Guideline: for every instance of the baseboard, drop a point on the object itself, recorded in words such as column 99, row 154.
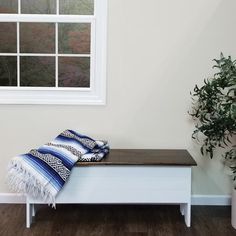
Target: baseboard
column 12, row 198
column 211, row 200
column 205, row 200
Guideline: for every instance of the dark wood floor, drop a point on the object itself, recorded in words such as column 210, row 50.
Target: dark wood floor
column 88, row 220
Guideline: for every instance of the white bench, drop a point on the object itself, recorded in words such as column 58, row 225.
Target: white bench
column 129, row 177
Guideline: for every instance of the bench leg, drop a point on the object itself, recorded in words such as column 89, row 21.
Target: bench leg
column 182, row 209
column 33, row 210
column 28, row 214
column 187, row 214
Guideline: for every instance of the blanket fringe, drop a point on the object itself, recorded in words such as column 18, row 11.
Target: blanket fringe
column 21, row 180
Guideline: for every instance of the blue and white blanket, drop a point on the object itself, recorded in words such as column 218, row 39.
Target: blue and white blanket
column 42, row 172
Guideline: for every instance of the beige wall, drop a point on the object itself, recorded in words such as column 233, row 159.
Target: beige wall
column 157, row 51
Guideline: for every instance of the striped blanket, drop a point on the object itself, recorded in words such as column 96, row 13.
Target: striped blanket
column 42, row 172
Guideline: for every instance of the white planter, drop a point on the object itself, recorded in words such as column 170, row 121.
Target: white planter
column 233, row 208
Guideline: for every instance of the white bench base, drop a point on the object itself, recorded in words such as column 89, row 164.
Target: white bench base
column 125, row 185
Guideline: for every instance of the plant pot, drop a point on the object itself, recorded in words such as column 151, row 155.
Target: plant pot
column 233, row 208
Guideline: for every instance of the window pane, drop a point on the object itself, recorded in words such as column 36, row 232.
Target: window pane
column 74, row 72
column 77, row 7
column 74, row 38
column 37, row 71
column 8, row 71
column 7, row 37
column 38, row 6
column 37, row 37
column 8, row 6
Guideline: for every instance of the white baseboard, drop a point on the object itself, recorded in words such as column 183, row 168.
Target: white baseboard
column 211, row 200
column 204, row 200
column 14, row 198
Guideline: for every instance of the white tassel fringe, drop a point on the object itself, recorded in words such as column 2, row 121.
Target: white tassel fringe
column 21, row 180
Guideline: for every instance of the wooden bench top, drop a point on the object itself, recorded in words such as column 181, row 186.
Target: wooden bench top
column 172, row 157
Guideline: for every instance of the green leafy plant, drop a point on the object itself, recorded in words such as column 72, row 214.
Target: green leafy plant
column 214, row 111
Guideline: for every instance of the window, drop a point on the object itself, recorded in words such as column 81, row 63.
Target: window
column 52, row 51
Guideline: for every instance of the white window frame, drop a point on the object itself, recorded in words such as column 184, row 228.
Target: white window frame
column 96, row 94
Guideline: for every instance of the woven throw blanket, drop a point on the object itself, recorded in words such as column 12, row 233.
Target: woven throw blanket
column 42, row 172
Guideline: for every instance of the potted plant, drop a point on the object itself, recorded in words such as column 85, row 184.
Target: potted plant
column 214, row 111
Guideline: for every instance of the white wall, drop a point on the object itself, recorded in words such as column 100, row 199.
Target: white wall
column 157, row 51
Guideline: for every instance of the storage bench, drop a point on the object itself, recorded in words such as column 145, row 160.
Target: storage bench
column 128, row 176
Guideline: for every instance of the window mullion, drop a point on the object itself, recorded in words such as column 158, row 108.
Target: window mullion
column 45, row 18
column 56, row 59
column 18, row 53
column 18, row 45
column 19, row 6
column 56, row 46
column 58, row 6
column 92, row 54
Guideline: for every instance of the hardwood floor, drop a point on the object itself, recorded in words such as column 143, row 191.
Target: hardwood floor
column 117, row 220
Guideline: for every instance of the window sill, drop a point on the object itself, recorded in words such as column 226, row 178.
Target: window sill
column 53, row 97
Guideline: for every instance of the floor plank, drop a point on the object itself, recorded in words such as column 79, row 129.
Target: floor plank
column 117, row 220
